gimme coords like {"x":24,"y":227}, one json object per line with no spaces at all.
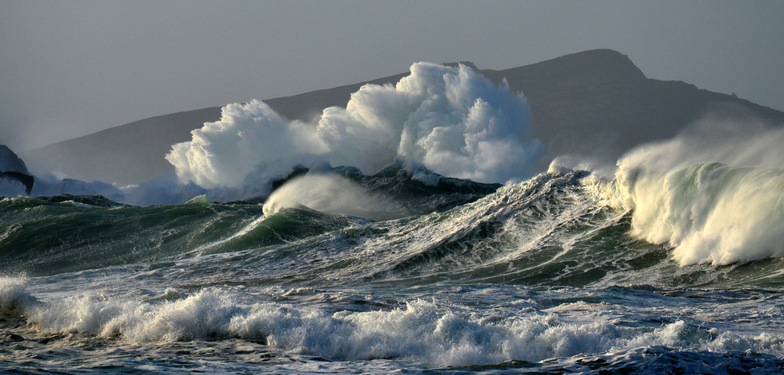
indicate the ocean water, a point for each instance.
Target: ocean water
{"x":670,"y":261}
{"x":564,"y":272}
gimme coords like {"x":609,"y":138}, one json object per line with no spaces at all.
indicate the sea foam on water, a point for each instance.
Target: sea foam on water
{"x":420,"y":330}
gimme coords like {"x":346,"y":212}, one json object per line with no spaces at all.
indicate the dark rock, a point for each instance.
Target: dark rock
{"x":595,"y":103}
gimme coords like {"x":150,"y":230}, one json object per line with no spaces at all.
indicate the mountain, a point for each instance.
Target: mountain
{"x":599,"y":103}
{"x":594,"y":103}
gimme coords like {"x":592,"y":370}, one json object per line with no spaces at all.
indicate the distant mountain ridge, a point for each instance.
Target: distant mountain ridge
{"x":594,"y":103}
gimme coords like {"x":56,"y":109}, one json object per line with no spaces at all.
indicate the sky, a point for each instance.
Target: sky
{"x":71,"y":68}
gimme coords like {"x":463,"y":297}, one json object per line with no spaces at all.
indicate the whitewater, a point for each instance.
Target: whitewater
{"x":407,"y":232}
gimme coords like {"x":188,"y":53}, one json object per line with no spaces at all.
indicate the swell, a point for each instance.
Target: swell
{"x":554,"y":229}
{"x":69,"y":233}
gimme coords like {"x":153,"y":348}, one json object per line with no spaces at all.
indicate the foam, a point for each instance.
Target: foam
{"x":420,"y":330}
{"x":14,"y":297}
{"x":332,"y":194}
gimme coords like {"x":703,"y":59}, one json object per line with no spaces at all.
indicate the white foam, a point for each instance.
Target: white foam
{"x":420,"y":330}
{"x":715,"y":194}
{"x":14,"y":297}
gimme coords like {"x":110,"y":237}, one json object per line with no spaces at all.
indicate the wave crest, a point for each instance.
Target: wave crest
{"x":334,"y":195}
{"x":709,"y":212}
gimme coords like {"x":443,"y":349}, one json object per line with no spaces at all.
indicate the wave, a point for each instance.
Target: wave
{"x":426,"y":331}
{"x":708,"y":212}
{"x":332,"y":194}
{"x":552,"y":230}
{"x":564,"y":228}
{"x":451,"y":120}
{"x":715,"y":193}
{"x":63,"y":233}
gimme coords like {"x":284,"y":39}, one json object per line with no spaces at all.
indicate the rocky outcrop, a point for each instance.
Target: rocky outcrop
{"x":595,"y":103}
{"x":14,"y":170}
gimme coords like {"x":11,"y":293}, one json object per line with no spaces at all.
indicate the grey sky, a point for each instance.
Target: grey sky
{"x":70,"y":68}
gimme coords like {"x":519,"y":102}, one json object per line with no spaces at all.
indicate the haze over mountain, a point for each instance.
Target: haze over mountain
{"x":594,"y":103}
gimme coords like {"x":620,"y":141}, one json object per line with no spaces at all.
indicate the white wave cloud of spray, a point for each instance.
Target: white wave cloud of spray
{"x":223,"y":153}
{"x":715,"y":193}
{"x":451,"y":120}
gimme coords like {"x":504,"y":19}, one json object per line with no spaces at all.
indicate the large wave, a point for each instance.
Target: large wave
{"x":452,"y":120}
{"x":715,"y":193}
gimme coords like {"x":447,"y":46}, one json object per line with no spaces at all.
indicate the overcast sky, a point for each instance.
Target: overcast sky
{"x":70,"y":68}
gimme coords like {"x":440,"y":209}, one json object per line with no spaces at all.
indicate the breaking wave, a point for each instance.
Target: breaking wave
{"x":453,"y":121}
{"x":425,"y":331}
{"x":715,"y":194}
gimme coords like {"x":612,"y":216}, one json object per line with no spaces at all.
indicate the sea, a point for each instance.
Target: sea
{"x":542,"y":276}
{"x":409,"y":232}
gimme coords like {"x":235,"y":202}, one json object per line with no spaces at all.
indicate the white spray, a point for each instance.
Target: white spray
{"x":452,"y":120}
{"x":715,"y":193}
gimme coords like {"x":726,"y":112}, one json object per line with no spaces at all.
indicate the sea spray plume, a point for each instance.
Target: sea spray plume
{"x":14,"y":297}
{"x":247,"y":137}
{"x":332,"y":194}
{"x":707,"y":210}
{"x":452,"y":120}
{"x":466,"y":127}
{"x":366,"y":133}
{"x":750,"y":144}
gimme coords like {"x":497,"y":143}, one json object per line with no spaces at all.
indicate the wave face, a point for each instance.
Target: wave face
{"x":715,"y":193}
{"x":556,"y":273}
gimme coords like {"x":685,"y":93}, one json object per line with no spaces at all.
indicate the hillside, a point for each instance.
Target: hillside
{"x":591,"y":103}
